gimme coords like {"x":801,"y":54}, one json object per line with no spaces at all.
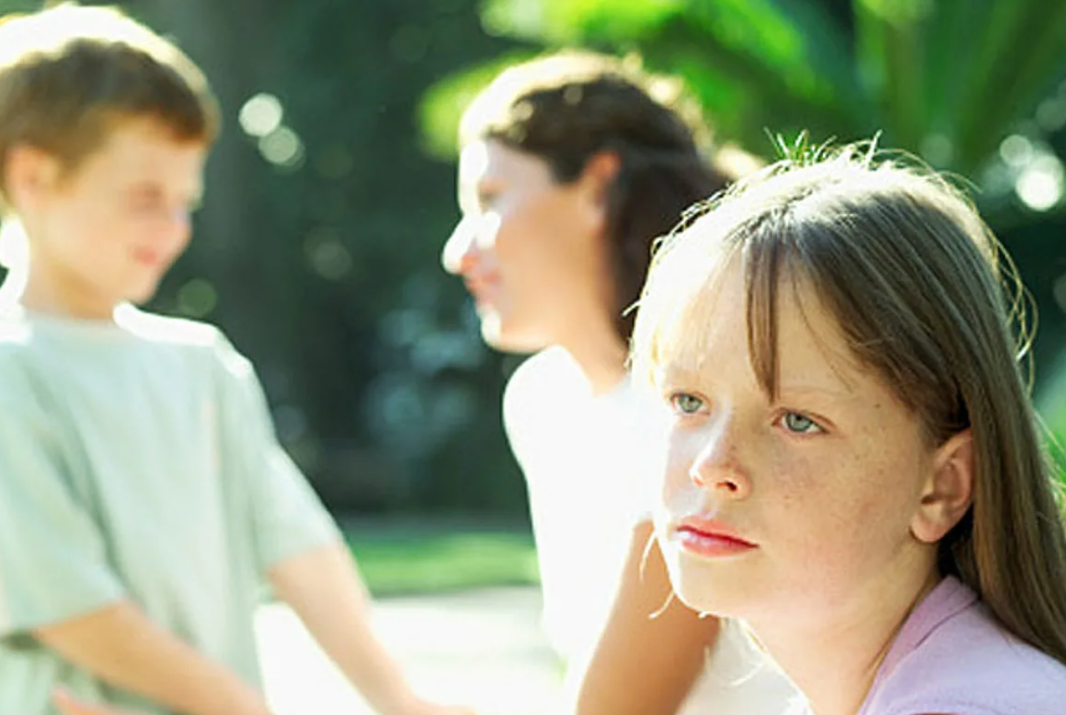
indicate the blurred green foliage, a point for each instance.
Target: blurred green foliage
{"x":974,"y":87}
{"x":946,"y":78}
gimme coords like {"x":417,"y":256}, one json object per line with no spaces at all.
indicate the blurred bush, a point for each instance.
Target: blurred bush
{"x":975,"y":87}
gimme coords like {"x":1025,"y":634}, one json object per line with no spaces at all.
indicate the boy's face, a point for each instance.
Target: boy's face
{"x":107,"y":231}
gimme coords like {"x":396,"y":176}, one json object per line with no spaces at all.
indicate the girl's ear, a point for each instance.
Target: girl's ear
{"x":593,"y":188}
{"x":598,"y":174}
{"x":948,"y":491}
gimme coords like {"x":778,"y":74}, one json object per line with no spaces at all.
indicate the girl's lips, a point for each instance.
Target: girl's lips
{"x":711,"y":537}
{"x":480,"y":288}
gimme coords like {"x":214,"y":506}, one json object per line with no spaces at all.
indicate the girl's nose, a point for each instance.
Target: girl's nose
{"x":460,"y":247}
{"x":717,"y":467}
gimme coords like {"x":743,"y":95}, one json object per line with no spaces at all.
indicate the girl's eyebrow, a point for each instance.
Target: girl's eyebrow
{"x":675,"y":373}
{"x":836,"y":392}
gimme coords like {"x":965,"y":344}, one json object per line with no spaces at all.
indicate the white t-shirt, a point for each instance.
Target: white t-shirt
{"x":592,"y":466}
{"x":137,"y":461}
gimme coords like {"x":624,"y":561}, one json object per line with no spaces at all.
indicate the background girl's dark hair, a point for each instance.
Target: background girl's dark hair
{"x":568,"y":107}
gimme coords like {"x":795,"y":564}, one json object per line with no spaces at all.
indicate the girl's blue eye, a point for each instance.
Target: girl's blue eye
{"x":800,"y":424}
{"x":686,"y":404}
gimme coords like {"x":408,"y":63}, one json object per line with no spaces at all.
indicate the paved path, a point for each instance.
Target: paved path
{"x":480,"y":648}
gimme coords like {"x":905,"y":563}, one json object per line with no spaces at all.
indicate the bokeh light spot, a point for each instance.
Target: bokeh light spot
{"x":1051,"y":114}
{"x":261,"y":115}
{"x":1016,"y":151}
{"x":1059,"y":291}
{"x":326,"y":255}
{"x":197,"y":298}
{"x":282,"y":147}
{"x":937,"y":149}
{"x":1040,"y":185}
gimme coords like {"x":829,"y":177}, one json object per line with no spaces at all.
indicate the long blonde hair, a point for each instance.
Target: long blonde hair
{"x":917,"y":283}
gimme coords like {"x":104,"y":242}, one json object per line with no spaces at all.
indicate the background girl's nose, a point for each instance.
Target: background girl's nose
{"x":459,"y":248}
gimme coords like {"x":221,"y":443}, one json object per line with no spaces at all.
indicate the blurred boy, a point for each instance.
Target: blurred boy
{"x":144,"y":500}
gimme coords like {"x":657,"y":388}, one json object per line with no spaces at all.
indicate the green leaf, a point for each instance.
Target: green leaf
{"x":946,"y":78}
{"x":565,"y":22}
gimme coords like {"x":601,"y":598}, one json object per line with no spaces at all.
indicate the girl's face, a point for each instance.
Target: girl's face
{"x":800,"y":507}
{"x":527,"y":246}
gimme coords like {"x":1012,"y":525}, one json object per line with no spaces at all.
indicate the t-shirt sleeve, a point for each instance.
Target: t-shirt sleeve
{"x":648,"y":429}
{"x":53,"y":556}
{"x":287,"y":516}
{"x":635,"y":449}
{"x":536,"y":401}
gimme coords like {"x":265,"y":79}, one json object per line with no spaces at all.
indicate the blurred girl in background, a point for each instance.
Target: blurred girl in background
{"x":571,"y":165}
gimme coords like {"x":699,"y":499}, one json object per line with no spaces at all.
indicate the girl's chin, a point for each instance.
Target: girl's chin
{"x":700,"y":587}
{"x":498,"y":334}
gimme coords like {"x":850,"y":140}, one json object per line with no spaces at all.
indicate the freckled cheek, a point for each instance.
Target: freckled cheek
{"x":844,"y":504}
{"x":886,"y":500}
{"x":798,"y":490}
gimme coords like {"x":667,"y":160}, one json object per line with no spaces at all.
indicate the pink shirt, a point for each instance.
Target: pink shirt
{"x":953,"y":658}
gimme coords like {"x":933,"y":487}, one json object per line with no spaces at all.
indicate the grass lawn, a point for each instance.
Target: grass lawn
{"x":415,"y":557}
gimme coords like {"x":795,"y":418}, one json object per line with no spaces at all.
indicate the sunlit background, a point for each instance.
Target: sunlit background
{"x":331,"y":192}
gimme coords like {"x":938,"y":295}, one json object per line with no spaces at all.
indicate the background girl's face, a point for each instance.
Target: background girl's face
{"x":527,"y":246}
{"x":798,"y":507}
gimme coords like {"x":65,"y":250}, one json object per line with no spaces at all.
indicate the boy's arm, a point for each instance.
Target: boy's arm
{"x":324,"y":588}
{"x":120,"y":645}
{"x":643,"y":665}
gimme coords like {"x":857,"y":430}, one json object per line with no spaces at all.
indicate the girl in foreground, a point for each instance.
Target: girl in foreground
{"x":852,"y":463}
{"x":571,"y":165}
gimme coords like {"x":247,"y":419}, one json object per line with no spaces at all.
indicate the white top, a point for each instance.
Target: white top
{"x":592,"y":469}
{"x":137,"y":461}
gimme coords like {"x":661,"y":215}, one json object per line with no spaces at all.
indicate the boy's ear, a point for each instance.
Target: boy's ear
{"x":29,"y":172}
{"x":948,"y":491}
